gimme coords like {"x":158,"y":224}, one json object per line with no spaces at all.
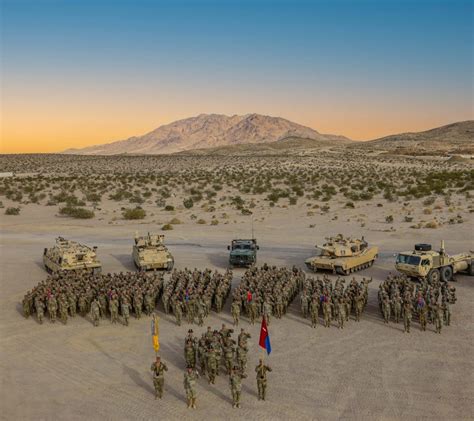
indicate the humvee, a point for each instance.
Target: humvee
{"x":243,"y":253}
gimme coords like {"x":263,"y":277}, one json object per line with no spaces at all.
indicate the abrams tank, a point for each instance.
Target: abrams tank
{"x":149,"y":253}
{"x":67,"y":255}
{"x":343,"y":255}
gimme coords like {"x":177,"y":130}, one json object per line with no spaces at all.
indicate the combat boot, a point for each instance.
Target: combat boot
{"x":189,"y":403}
{"x":194,"y":403}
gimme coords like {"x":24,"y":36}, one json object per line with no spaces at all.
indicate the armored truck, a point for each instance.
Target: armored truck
{"x":343,"y":255}
{"x":243,"y":253}
{"x":149,"y":253}
{"x":67,"y":255}
{"x":425,"y":263}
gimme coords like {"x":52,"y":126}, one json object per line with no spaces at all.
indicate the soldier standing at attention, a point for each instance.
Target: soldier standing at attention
{"x":95,"y":312}
{"x":438,"y":317}
{"x":407,"y":308}
{"x":158,"y":368}
{"x":261,"y":371}
{"x":190,"y":377}
{"x":236,"y":385}
{"x":235,"y":310}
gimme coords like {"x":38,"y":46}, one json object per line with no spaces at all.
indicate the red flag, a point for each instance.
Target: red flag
{"x":264,"y":341}
{"x":249,"y":296}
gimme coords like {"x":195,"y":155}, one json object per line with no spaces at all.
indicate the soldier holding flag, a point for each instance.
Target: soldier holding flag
{"x":262,"y":368}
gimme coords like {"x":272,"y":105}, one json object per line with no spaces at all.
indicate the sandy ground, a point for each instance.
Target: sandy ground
{"x":366,"y":371}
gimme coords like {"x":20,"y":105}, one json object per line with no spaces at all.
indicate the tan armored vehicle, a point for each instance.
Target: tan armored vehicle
{"x":425,"y":263}
{"x":343,"y":255}
{"x":68,"y":255}
{"x":149,"y":252}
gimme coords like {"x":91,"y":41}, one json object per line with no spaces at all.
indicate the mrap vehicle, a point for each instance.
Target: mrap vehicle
{"x":243,"y":253}
{"x":425,"y":263}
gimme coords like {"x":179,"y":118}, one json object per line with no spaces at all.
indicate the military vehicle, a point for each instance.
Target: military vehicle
{"x":343,"y":255}
{"x":425,"y":263}
{"x":68,"y":255}
{"x":243,"y":253}
{"x":149,"y":252}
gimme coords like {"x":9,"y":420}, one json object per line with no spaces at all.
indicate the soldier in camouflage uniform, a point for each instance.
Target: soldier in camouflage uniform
{"x":235,"y":380}
{"x":235,"y":310}
{"x":52,"y":308}
{"x":407,"y":315}
{"x":261,"y":371}
{"x":158,"y":369}
{"x":95,"y":312}
{"x":190,"y":378}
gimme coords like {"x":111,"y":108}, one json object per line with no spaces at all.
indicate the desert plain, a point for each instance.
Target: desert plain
{"x":368,"y":371}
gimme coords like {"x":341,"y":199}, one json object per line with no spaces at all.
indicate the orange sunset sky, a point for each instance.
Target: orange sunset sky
{"x":94,"y":72}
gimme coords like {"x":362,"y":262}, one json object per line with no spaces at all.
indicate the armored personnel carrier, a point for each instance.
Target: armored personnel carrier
{"x":68,"y":255}
{"x":149,"y":252}
{"x":243,"y":253}
{"x":425,"y":263}
{"x":343,"y":255}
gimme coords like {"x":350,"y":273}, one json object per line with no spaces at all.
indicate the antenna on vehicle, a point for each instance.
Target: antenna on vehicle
{"x":252,"y":228}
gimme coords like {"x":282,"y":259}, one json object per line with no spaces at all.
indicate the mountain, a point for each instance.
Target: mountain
{"x":210,"y":131}
{"x":456,"y":138}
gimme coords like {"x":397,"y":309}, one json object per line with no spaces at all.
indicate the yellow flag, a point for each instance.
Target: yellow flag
{"x":155,"y":333}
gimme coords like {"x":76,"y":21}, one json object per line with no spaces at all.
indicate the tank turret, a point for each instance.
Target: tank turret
{"x":149,"y":252}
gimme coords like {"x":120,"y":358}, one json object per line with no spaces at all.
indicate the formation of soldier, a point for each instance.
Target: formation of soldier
{"x":399,"y":298}
{"x":335,"y":302}
{"x":191,"y":295}
{"x":66,"y":294}
{"x":265,"y":291}
{"x":216,"y":351}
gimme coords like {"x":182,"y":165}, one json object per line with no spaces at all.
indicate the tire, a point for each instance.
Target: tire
{"x":470,"y":269}
{"x":433,"y":276}
{"x":446,"y":273}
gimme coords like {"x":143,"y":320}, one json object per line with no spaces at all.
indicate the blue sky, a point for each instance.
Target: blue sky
{"x":362,"y":68}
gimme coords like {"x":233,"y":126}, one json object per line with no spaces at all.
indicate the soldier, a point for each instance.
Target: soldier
{"x":327,"y":311}
{"x":63,"y":308}
{"x":438,"y":317}
{"x":190,"y":353}
{"x":26,"y":305}
{"x":235,"y":310}
{"x":95,"y":312}
{"x":386,"y":309}
{"x":52,"y":308}
{"x":314,"y":311}
{"x":407,"y":309}
{"x":267,"y":310}
{"x":82,"y":305}
{"x":242,"y":339}
{"x":190,"y":378}
{"x":397,"y":308}
{"x":125,"y":308}
{"x":359,"y":306}
{"x":178,"y":311}
{"x":341,"y":312}
{"x":229,"y":351}
{"x":158,"y":368}
{"x":242,"y":358}
{"x":304,"y":304}
{"x":261,"y":371}
{"x":39,"y":306}
{"x":113,"y":308}
{"x":211,"y":364}
{"x":202,"y":352}
{"x":446,"y":312}
{"x":236,"y":385}
{"x":200,"y":312}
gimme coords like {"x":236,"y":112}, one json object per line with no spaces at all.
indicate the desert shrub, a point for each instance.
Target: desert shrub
{"x":169,"y":208}
{"x":12,"y":211}
{"x":427,"y":211}
{"x":167,"y":227}
{"x":136,"y":213}
{"x":93,"y":197}
{"x":408,"y":218}
{"x":293,"y":200}
{"x":175,"y":221}
{"x":429,"y":201}
{"x":201,"y":221}
{"x":432,"y":224}
{"x":389,"y":219}
{"x":188,"y":203}
{"x":214,"y":222}
{"x":246,"y":211}
{"x":349,"y":205}
{"x":74,"y":212}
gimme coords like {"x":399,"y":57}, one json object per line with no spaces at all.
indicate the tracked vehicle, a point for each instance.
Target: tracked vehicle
{"x":67,"y":255}
{"x":425,"y":263}
{"x":149,"y":253}
{"x":343,"y":255}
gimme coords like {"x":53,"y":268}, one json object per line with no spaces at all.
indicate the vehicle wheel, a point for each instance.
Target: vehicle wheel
{"x":447,"y":274}
{"x":470,"y":269}
{"x":433,"y":276}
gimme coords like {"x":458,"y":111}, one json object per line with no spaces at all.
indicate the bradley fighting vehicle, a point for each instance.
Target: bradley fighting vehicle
{"x":149,"y":252}
{"x":243,"y":253}
{"x":343,"y":255}
{"x":425,"y":263}
{"x":68,"y":255}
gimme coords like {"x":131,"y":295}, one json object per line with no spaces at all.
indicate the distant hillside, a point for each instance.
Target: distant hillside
{"x":456,"y":138}
{"x":210,"y":131}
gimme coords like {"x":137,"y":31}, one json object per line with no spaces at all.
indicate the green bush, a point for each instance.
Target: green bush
{"x":167,"y":227}
{"x":169,"y":208}
{"x":188,"y":203}
{"x":136,"y":213}
{"x":12,"y":211}
{"x":79,"y":213}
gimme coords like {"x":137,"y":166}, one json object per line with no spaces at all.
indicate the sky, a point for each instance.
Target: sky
{"x":79,"y":73}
